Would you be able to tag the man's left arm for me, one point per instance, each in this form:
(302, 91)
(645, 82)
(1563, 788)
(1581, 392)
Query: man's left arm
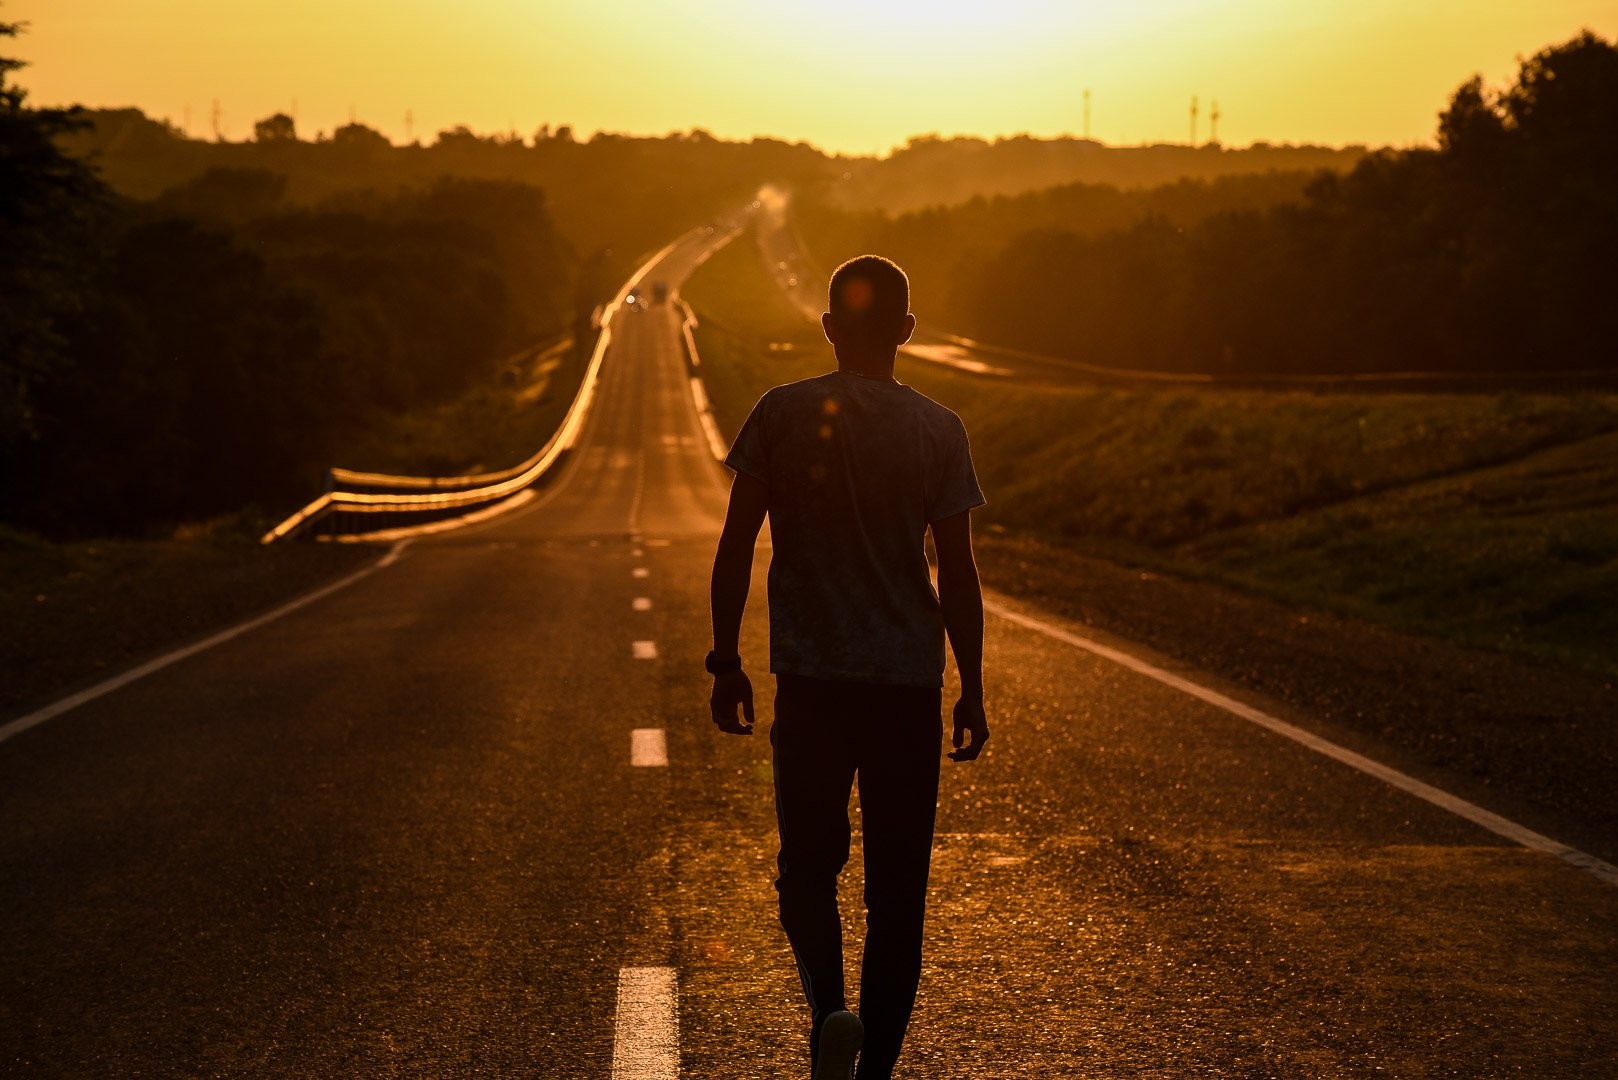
(732, 577)
(960, 596)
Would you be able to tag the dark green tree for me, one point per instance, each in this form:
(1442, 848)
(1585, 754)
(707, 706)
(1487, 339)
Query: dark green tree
(359, 137)
(277, 128)
(49, 203)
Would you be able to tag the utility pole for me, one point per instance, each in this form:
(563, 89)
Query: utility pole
(1213, 124)
(1193, 119)
(1087, 115)
(187, 122)
(218, 118)
(410, 125)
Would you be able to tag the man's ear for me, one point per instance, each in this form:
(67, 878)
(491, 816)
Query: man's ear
(910, 327)
(826, 325)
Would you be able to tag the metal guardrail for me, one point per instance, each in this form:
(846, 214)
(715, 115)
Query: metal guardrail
(699, 392)
(409, 500)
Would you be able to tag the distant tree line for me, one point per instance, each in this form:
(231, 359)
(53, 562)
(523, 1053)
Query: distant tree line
(942, 245)
(613, 196)
(172, 358)
(1493, 250)
(213, 361)
(932, 171)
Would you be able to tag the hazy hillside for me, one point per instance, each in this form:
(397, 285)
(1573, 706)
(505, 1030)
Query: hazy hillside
(624, 189)
(626, 193)
(930, 171)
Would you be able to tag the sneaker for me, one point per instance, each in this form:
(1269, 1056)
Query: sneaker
(840, 1037)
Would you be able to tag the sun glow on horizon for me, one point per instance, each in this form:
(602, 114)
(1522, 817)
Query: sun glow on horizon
(847, 75)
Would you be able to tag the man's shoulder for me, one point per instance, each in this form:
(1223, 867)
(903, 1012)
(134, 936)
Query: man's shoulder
(812, 392)
(937, 417)
(815, 384)
(783, 400)
(935, 409)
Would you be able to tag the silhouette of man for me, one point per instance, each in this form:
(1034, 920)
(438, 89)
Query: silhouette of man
(853, 468)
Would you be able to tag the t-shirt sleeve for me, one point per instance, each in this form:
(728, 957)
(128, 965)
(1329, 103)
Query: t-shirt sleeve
(957, 489)
(749, 454)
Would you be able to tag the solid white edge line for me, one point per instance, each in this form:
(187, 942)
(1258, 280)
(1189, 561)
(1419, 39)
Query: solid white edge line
(140, 671)
(1487, 819)
(646, 1030)
(648, 747)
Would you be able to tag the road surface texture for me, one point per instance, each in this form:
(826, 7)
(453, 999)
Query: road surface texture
(468, 817)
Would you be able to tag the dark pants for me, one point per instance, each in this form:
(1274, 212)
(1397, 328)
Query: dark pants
(824, 734)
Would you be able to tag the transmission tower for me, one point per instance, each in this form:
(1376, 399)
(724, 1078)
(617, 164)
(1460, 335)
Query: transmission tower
(410, 125)
(218, 119)
(1213, 123)
(1193, 120)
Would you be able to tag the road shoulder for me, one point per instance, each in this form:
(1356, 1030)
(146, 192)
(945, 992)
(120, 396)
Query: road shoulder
(74, 613)
(1523, 739)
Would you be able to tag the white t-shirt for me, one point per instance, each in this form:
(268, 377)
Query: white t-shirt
(857, 468)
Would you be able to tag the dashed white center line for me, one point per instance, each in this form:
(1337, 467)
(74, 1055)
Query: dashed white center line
(645, 650)
(646, 1031)
(640, 572)
(641, 603)
(648, 747)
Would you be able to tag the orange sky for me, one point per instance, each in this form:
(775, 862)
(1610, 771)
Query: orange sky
(851, 75)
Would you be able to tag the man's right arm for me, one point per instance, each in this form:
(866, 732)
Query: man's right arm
(732, 574)
(960, 596)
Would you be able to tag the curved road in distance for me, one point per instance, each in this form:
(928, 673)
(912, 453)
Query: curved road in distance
(401, 832)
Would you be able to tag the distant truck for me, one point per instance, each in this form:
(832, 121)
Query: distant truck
(660, 292)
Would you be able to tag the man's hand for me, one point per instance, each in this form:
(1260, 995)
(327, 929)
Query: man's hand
(730, 690)
(969, 717)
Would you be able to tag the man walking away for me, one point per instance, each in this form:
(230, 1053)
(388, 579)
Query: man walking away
(853, 468)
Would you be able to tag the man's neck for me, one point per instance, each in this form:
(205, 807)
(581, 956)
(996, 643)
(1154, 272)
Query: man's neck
(869, 368)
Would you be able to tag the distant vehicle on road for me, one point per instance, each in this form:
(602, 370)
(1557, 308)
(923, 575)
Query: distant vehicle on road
(660, 292)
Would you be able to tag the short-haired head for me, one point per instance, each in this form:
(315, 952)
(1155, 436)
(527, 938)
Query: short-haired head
(869, 299)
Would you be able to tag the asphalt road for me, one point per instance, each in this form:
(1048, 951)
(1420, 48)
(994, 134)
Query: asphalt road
(399, 833)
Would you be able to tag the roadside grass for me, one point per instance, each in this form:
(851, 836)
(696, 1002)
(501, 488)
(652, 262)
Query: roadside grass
(1521, 556)
(73, 612)
(1487, 519)
(495, 424)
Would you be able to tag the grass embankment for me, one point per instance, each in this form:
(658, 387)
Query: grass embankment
(495, 424)
(1489, 520)
(74, 612)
